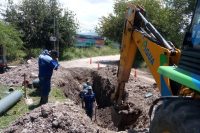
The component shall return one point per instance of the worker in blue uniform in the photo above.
(82, 93)
(47, 63)
(89, 99)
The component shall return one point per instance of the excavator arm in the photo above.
(140, 35)
(177, 73)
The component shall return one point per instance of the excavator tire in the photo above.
(177, 116)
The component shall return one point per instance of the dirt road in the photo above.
(91, 62)
(103, 61)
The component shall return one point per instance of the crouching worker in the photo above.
(47, 63)
(89, 99)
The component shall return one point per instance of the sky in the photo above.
(87, 12)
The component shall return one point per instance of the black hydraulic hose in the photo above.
(154, 31)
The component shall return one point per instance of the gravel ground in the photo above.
(59, 117)
(69, 116)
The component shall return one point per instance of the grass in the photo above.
(21, 108)
(14, 113)
(3, 91)
(75, 53)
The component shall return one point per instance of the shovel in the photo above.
(95, 111)
(28, 101)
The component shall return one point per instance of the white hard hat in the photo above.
(85, 86)
(89, 87)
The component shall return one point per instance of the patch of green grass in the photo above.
(56, 95)
(14, 113)
(21, 107)
(75, 53)
(3, 91)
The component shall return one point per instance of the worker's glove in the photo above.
(56, 68)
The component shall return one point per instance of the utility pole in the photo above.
(54, 32)
(57, 36)
(53, 36)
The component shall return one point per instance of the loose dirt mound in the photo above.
(60, 118)
(135, 117)
(137, 89)
(71, 81)
(14, 76)
(72, 118)
(104, 83)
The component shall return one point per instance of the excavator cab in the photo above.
(192, 37)
(176, 72)
(190, 59)
(187, 71)
(180, 113)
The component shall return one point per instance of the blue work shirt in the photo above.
(46, 65)
(89, 100)
(83, 92)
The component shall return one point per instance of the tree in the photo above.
(38, 20)
(170, 17)
(112, 26)
(10, 39)
(179, 17)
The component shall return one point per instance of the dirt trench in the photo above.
(104, 82)
(72, 82)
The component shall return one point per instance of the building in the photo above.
(88, 41)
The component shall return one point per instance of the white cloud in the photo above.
(87, 12)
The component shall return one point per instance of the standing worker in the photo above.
(48, 61)
(82, 93)
(89, 99)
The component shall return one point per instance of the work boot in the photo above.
(43, 100)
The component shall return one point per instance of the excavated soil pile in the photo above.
(60, 118)
(71, 81)
(72, 118)
(103, 83)
(137, 95)
(15, 76)
(136, 115)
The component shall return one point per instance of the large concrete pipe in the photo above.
(9, 101)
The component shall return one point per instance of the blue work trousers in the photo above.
(45, 86)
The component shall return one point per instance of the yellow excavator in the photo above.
(176, 72)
